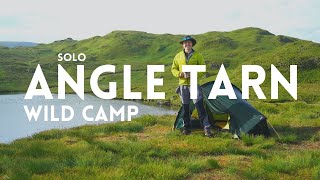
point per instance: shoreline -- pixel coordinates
(154, 102)
(157, 110)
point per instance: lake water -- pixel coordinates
(14, 123)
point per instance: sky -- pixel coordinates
(44, 21)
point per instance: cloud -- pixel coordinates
(46, 21)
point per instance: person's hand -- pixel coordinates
(184, 75)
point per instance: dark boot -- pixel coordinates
(207, 132)
(186, 131)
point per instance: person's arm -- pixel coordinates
(175, 68)
(201, 62)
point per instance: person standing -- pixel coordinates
(188, 56)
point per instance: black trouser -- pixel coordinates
(186, 116)
(203, 117)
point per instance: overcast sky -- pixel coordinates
(49, 20)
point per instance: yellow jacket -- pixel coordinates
(180, 59)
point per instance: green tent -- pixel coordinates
(236, 115)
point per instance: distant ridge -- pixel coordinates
(12, 44)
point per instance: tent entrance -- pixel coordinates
(219, 120)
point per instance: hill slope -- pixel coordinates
(243, 46)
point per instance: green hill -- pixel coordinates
(233, 49)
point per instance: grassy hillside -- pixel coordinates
(233, 49)
(147, 149)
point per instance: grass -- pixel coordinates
(147, 148)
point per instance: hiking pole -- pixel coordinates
(274, 129)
